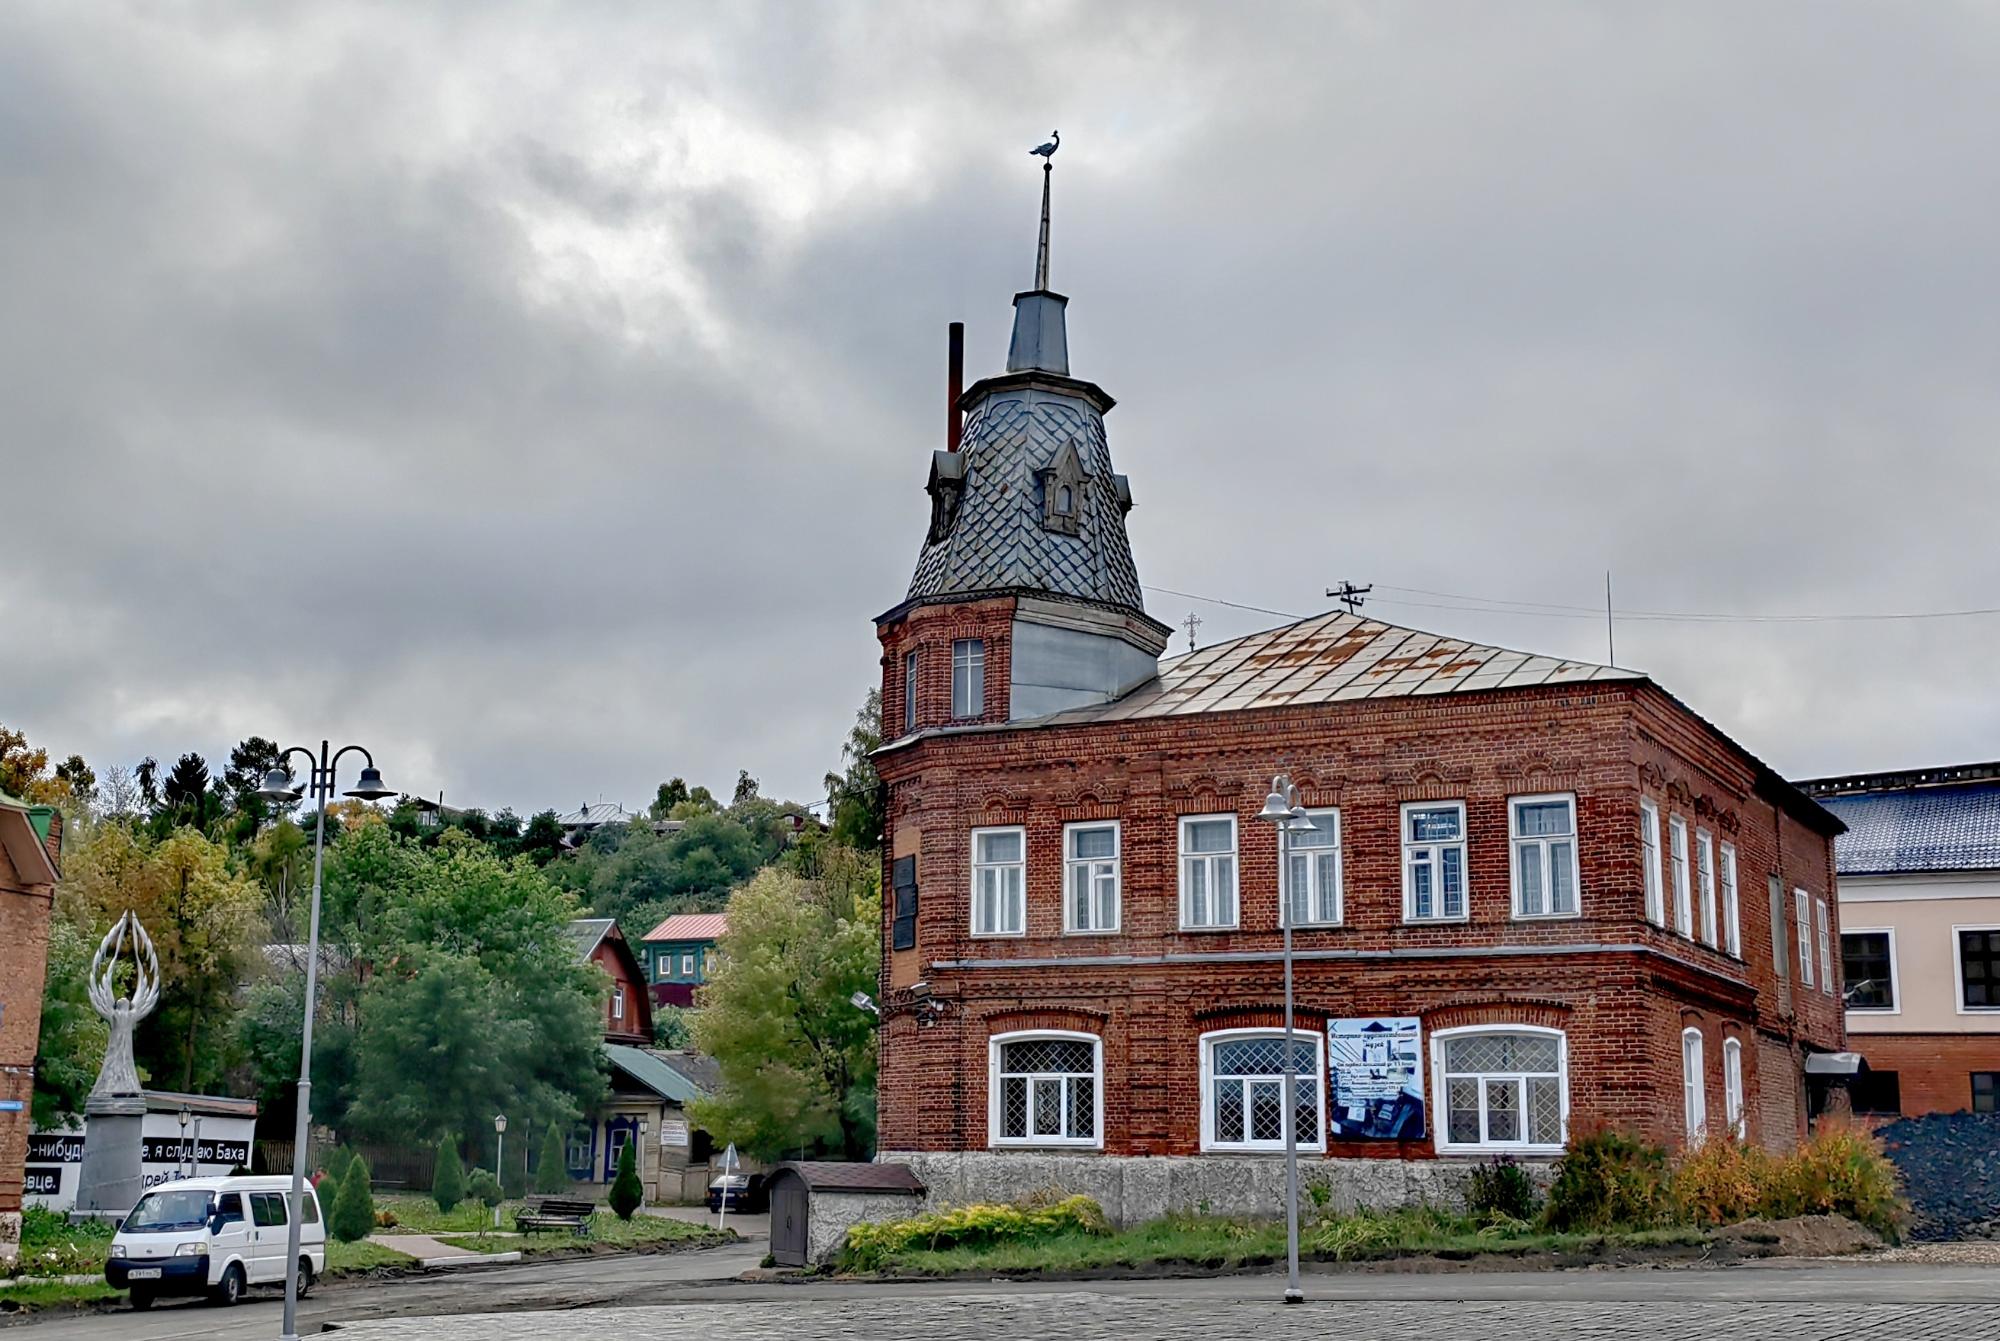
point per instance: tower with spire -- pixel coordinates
(1025, 564)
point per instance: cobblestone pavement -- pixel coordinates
(938, 1316)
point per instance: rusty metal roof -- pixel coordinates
(1332, 658)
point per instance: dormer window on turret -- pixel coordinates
(1062, 482)
(946, 488)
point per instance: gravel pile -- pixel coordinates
(1950, 1164)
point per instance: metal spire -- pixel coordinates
(1042, 248)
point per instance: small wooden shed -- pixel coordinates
(814, 1201)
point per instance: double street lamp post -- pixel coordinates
(278, 786)
(1283, 811)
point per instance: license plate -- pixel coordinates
(143, 1273)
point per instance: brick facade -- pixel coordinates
(1933, 1071)
(26, 897)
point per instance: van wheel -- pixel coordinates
(305, 1276)
(229, 1289)
(142, 1299)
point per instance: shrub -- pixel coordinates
(870, 1245)
(1721, 1183)
(1839, 1170)
(1500, 1190)
(1607, 1179)
(552, 1171)
(484, 1188)
(335, 1162)
(1368, 1234)
(626, 1194)
(354, 1205)
(448, 1179)
(514, 1179)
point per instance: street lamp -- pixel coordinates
(182, 1161)
(500, 1160)
(278, 786)
(1288, 817)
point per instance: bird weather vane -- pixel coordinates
(120, 1074)
(1046, 151)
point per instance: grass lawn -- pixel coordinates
(347, 1259)
(605, 1228)
(1215, 1242)
(52, 1246)
(54, 1294)
(417, 1214)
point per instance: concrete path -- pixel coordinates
(756, 1227)
(431, 1253)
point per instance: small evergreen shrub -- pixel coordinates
(448, 1179)
(626, 1194)
(551, 1170)
(870, 1245)
(1607, 1179)
(484, 1188)
(354, 1205)
(335, 1162)
(1500, 1189)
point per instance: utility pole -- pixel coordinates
(1610, 639)
(1351, 596)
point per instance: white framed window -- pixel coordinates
(1045, 1088)
(1781, 955)
(1704, 870)
(1546, 874)
(1208, 872)
(1243, 1089)
(687, 966)
(1732, 1087)
(1312, 882)
(1975, 956)
(1504, 1088)
(1090, 876)
(910, 691)
(1694, 1095)
(1677, 831)
(618, 1001)
(999, 881)
(1434, 861)
(968, 677)
(1825, 946)
(1868, 972)
(1649, 851)
(1802, 902)
(1732, 912)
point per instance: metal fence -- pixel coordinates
(388, 1166)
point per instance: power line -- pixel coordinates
(1216, 600)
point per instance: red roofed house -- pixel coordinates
(679, 954)
(628, 1013)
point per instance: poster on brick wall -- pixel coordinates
(1376, 1069)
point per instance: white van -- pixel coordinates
(213, 1236)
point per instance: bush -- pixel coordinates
(870, 1245)
(1500, 1190)
(354, 1205)
(335, 1162)
(1607, 1179)
(626, 1194)
(448, 1180)
(1839, 1170)
(484, 1188)
(552, 1169)
(514, 1179)
(1721, 1183)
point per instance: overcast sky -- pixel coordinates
(542, 395)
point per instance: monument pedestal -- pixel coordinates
(111, 1180)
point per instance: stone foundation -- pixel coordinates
(1137, 1188)
(10, 1236)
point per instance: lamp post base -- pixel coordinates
(1295, 1296)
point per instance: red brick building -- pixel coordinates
(30, 843)
(1537, 893)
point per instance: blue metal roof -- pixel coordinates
(1918, 829)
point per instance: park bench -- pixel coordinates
(571, 1213)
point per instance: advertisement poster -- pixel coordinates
(1376, 1067)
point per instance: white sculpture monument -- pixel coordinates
(115, 1113)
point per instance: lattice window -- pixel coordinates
(1046, 1091)
(1246, 1100)
(1502, 1090)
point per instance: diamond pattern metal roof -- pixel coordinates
(1918, 829)
(997, 542)
(1332, 658)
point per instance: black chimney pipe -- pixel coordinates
(954, 422)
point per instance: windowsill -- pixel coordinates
(1485, 1151)
(1020, 935)
(1874, 1010)
(1316, 926)
(1218, 1148)
(1218, 926)
(1409, 921)
(1043, 1143)
(1979, 1010)
(1091, 931)
(1548, 917)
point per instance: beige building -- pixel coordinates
(1919, 891)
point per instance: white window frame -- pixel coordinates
(687, 964)
(1234, 855)
(617, 1000)
(1516, 842)
(1704, 873)
(1436, 862)
(1677, 858)
(1958, 970)
(910, 691)
(1095, 1141)
(1802, 918)
(1650, 858)
(1439, 1088)
(1822, 928)
(1732, 903)
(978, 866)
(1313, 892)
(1732, 1088)
(966, 655)
(1209, 1140)
(1895, 1006)
(1694, 1086)
(1075, 867)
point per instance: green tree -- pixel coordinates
(353, 1217)
(670, 794)
(672, 1028)
(71, 1046)
(551, 1169)
(448, 1179)
(855, 792)
(186, 798)
(249, 761)
(542, 841)
(626, 1194)
(797, 1059)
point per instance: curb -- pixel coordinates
(466, 1260)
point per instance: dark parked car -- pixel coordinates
(748, 1193)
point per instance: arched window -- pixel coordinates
(1732, 1087)
(1694, 1099)
(1502, 1087)
(1045, 1088)
(1243, 1089)
(1065, 500)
